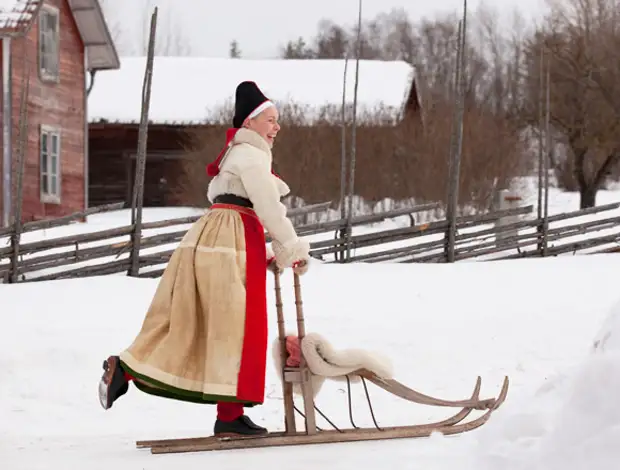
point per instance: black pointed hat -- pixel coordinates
(249, 102)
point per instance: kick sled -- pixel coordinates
(317, 362)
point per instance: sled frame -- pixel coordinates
(311, 434)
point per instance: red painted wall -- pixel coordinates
(58, 104)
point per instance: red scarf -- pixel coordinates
(213, 168)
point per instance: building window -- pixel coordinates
(50, 164)
(49, 50)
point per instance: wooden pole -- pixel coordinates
(545, 227)
(455, 160)
(541, 150)
(138, 191)
(306, 384)
(353, 130)
(287, 387)
(21, 159)
(343, 155)
(450, 235)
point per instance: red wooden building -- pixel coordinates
(56, 43)
(191, 93)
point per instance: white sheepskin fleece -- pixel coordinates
(325, 362)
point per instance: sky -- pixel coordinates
(262, 27)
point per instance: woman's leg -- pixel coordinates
(228, 412)
(232, 421)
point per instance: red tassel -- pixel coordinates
(213, 168)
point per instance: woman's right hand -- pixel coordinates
(273, 266)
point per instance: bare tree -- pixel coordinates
(332, 41)
(499, 61)
(580, 43)
(493, 77)
(390, 36)
(435, 55)
(297, 49)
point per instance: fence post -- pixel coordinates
(506, 199)
(456, 139)
(138, 190)
(21, 159)
(358, 49)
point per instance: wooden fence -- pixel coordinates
(498, 235)
(107, 251)
(505, 234)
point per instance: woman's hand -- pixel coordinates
(272, 265)
(300, 267)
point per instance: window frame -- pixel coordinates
(47, 173)
(45, 74)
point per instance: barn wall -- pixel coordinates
(308, 158)
(112, 164)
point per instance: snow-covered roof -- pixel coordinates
(16, 13)
(194, 90)
(16, 17)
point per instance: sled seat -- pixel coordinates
(297, 375)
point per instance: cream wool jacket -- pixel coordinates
(245, 170)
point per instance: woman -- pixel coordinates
(204, 338)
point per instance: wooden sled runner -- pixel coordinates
(301, 377)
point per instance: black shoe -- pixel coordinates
(242, 426)
(112, 384)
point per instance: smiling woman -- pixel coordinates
(266, 123)
(204, 338)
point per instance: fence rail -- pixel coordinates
(498, 235)
(100, 252)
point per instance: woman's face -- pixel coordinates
(266, 124)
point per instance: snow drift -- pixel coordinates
(572, 422)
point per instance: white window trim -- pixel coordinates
(44, 74)
(48, 197)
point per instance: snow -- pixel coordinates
(573, 422)
(552, 325)
(193, 90)
(56, 335)
(16, 12)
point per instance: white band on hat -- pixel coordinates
(260, 108)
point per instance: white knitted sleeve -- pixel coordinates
(262, 191)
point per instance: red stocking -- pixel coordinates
(227, 411)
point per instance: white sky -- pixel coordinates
(261, 27)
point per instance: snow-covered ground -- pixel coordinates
(535, 320)
(441, 325)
